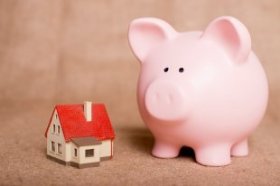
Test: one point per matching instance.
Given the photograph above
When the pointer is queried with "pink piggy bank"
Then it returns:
(205, 90)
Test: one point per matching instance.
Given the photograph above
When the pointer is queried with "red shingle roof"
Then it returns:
(74, 124)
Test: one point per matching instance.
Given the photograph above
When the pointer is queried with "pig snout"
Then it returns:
(166, 101)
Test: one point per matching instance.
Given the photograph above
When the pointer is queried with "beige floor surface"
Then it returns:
(68, 51)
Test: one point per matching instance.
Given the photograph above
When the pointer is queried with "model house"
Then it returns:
(80, 135)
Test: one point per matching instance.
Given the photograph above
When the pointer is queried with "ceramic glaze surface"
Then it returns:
(205, 89)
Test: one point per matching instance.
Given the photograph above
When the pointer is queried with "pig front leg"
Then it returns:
(213, 155)
(240, 148)
(165, 150)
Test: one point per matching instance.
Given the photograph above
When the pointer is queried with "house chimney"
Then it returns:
(87, 110)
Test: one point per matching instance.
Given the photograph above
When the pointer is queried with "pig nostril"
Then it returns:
(166, 69)
(181, 70)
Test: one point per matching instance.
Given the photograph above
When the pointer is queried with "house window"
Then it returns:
(56, 116)
(53, 146)
(75, 152)
(58, 129)
(59, 148)
(89, 152)
(53, 128)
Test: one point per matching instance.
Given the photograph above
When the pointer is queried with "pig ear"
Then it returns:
(146, 33)
(231, 35)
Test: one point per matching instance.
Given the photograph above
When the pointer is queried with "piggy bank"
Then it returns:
(205, 90)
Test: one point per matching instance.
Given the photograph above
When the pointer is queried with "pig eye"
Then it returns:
(181, 70)
(166, 69)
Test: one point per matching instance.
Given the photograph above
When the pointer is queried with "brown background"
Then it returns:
(68, 51)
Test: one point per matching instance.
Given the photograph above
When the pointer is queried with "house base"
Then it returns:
(77, 165)
(105, 158)
(85, 165)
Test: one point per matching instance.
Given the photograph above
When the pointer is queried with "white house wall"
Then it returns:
(105, 148)
(83, 159)
(56, 137)
(72, 151)
(68, 152)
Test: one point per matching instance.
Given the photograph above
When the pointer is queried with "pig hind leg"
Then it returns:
(213, 155)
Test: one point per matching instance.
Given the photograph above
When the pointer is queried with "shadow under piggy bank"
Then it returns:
(141, 139)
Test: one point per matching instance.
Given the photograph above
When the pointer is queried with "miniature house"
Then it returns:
(80, 135)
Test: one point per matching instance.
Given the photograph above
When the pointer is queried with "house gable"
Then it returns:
(55, 139)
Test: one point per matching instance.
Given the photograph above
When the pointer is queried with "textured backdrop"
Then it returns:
(68, 51)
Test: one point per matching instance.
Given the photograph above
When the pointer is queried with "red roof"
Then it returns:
(74, 124)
